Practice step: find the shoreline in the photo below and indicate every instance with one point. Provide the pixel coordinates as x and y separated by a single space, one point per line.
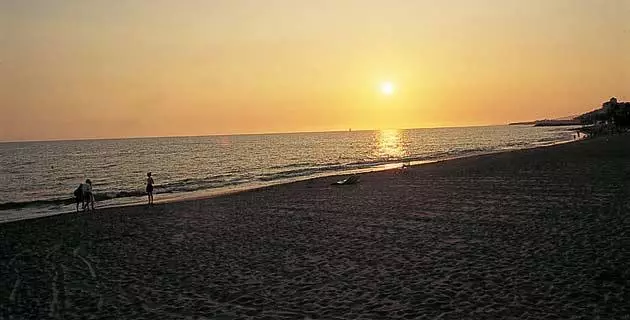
214 193
535 233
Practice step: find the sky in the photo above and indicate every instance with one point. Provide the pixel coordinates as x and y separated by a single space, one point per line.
107 69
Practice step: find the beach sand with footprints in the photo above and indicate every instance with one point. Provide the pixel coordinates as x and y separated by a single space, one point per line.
532 234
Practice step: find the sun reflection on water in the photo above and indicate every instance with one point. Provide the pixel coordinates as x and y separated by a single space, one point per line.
390 144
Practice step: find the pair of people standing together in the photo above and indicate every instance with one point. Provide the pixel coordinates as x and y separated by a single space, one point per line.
83 195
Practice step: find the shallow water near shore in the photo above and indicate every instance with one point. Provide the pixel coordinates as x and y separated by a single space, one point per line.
38 178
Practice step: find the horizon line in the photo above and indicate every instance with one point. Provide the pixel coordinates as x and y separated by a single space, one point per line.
240 134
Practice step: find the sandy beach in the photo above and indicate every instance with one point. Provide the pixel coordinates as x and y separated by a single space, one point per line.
531 234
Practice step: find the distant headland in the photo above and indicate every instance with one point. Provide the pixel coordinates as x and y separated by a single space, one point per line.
549 123
612 112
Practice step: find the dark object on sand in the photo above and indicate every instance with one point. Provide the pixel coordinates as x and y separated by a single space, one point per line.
353 179
78 196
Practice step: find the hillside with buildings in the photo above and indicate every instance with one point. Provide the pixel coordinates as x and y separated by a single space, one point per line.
611 112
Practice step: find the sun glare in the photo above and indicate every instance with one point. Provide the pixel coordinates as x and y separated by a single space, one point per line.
387 88
391 144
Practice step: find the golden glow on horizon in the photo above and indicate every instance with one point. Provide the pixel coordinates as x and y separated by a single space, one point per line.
93 69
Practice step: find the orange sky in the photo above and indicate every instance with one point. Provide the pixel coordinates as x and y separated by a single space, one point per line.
96 69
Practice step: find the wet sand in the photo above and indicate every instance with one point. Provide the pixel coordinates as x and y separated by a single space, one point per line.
531 234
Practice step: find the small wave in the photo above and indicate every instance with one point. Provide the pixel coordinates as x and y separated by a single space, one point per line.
198 184
551 139
358 164
455 153
35 203
119 194
292 165
57 202
286 174
513 144
303 172
548 141
329 167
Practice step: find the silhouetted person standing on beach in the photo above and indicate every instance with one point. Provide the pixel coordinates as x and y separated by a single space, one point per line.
150 187
78 197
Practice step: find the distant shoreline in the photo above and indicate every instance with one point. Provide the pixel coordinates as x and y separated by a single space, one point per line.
165 198
548 123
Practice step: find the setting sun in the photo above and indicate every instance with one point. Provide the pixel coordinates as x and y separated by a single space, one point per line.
387 88
70 69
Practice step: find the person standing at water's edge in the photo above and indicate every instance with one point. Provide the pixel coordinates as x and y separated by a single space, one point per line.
78 197
150 187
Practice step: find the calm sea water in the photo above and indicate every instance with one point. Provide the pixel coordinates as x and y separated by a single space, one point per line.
38 178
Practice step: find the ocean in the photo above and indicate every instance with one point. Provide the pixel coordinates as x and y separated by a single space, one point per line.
38 178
